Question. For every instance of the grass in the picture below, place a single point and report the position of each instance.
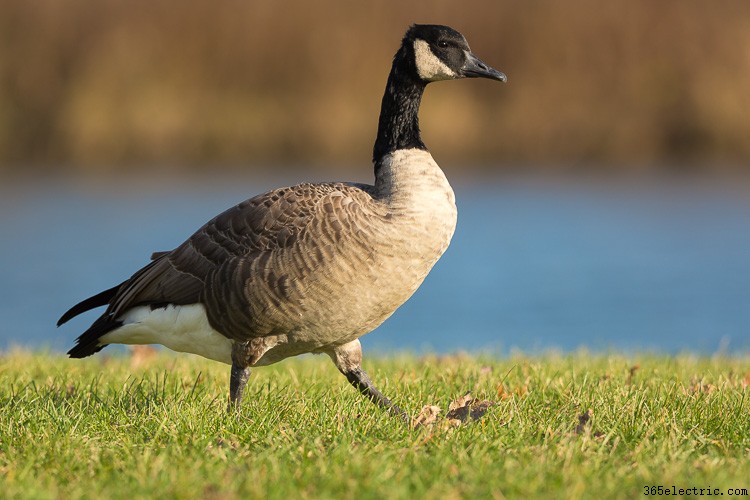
(573, 426)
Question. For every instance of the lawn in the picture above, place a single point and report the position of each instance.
(578, 425)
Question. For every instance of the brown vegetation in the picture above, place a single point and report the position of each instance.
(100, 84)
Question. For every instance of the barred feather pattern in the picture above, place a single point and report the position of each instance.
(308, 267)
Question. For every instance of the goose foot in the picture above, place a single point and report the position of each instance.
(348, 359)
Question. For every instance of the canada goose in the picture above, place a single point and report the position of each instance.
(307, 268)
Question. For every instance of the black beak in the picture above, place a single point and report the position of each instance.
(475, 68)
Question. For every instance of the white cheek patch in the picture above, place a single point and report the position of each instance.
(429, 66)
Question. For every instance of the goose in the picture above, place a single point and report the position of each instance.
(308, 268)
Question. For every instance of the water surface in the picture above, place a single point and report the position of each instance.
(534, 265)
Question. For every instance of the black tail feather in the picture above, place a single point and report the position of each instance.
(88, 343)
(98, 300)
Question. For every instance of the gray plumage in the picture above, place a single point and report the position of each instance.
(307, 268)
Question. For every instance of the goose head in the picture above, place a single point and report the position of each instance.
(434, 53)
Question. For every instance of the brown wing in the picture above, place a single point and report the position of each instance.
(231, 262)
(214, 263)
(256, 294)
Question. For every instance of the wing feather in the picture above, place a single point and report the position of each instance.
(223, 258)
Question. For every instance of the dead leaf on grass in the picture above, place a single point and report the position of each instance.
(427, 416)
(460, 402)
(584, 424)
(583, 420)
(466, 407)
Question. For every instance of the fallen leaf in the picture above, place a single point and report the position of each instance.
(466, 407)
(583, 419)
(460, 402)
(584, 424)
(479, 408)
(427, 416)
(459, 409)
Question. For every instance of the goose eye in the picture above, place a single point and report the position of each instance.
(442, 44)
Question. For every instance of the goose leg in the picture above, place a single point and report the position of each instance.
(237, 382)
(359, 379)
(348, 359)
(238, 378)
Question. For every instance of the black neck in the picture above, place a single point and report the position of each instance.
(398, 127)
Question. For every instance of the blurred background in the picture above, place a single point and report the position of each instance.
(603, 192)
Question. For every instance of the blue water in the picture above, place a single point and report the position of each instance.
(534, 265)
